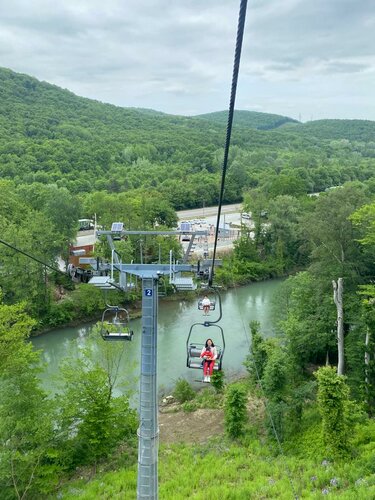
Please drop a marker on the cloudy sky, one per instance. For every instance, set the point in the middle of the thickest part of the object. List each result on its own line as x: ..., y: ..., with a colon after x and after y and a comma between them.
x: 306, y: 59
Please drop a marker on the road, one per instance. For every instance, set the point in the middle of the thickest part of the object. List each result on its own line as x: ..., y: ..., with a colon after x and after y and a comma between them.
x: 196, y: 213
x: 85, y: 238
x: 229, y: 214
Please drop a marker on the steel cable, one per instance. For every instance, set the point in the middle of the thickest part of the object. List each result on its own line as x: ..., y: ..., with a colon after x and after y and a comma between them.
x: 236, y: 67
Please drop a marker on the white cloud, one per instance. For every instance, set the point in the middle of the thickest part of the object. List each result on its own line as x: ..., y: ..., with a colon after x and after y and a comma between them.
x: 177, y: 56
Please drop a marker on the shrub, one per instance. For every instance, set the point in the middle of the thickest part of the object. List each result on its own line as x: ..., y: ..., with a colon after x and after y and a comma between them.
x: 189, y: 406
x: 217, y: 380
x: 235, y: 411
x: 183, y: 391
x: 333, y: 399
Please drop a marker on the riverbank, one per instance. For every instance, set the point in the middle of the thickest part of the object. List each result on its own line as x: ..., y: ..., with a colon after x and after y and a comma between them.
x: 134, y: 309
x: 176, y: 315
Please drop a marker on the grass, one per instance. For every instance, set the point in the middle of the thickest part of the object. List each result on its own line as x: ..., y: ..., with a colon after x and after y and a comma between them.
x: 221, y: 470
x: 251, y: 468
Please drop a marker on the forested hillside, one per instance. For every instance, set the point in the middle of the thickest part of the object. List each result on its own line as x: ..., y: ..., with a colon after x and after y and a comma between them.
x: 250, y: 119
x: 293, y: 427
x: 49, y: 135
x: 351, y: 130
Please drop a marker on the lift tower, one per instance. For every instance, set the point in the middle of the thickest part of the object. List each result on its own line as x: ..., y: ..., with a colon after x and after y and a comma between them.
x: 148, y: 431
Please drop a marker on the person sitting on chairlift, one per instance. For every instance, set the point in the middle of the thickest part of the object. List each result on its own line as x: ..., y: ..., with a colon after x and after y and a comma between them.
x: 208, y: 354
x: 206, y: 303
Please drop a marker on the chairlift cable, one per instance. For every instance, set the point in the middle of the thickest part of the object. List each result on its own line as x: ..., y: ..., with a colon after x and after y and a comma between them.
x: 32, y: 257
x: 236, y: 67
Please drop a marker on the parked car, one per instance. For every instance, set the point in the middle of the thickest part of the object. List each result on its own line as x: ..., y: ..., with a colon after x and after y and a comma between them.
x: 85, y: 224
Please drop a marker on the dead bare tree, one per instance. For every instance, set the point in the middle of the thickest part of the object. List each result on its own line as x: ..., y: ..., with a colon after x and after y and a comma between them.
x: 338, y: 298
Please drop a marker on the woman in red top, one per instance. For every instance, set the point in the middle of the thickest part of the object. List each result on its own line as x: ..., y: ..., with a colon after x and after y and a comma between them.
x: 208, y: 354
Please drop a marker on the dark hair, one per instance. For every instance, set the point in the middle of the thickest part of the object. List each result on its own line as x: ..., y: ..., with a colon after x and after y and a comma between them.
x: 212, y: 343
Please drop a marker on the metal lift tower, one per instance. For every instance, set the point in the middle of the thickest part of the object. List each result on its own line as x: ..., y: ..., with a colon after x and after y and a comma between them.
x: 148, y: 432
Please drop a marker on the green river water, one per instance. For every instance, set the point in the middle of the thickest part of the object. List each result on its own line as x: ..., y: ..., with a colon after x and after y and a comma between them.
x: 240, y: 306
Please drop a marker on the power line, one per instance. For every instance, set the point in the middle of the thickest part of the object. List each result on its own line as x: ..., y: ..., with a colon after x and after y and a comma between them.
x: 236, y: 67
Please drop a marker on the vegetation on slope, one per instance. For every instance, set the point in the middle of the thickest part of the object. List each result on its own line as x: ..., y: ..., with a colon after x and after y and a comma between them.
x: 249, y: 119
x: 351, y: 130
x: 49, y: 135
x: 63, y: 157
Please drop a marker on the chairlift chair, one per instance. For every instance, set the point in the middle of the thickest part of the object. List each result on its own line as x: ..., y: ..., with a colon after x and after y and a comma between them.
x: 214, y: 301
x: 194, y: 349
x: 212, y: 304
x: 115, y: 324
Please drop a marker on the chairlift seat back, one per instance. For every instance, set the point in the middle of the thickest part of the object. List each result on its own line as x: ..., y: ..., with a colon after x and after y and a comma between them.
x: 195, y: 361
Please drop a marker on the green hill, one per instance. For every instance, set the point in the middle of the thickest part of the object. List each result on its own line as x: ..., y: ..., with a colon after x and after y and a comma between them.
x: 249, y: 119
x: 30, y: 108
x: 49, y: 135
x: 352, y: 130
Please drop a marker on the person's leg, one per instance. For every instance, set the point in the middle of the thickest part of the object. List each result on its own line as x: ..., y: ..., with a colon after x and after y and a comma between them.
x: 211, y: 367
x: 205, y: 371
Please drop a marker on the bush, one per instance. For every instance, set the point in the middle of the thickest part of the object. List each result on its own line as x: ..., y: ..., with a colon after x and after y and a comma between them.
x: 333, y: 404
x: 183, y: 391
x: 189, y: 406
x: 235, y: 411
x: 217, y: 380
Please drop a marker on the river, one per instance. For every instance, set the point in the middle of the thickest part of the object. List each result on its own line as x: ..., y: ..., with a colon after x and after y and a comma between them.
x: 240, y: 306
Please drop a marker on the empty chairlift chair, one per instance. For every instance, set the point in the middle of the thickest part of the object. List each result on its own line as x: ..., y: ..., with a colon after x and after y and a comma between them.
x: 115, y: 324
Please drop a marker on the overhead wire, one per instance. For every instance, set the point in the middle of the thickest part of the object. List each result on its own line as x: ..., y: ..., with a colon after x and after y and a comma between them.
x: 13, y: 247
x: 236, y: 67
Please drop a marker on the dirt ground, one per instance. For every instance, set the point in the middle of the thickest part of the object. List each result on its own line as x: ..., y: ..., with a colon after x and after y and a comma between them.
x: 192, y: 427
x: 177, y: 426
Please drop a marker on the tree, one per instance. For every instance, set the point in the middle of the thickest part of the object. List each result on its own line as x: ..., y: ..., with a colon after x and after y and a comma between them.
x: 256, y: 202
x: 287, y: 183
x: 364, y: 218
x: 335, y: 250
x: 257, y: 358
x: 27, y: 468
x: 91, y: 419
x: 284, y: 215
x: 15, y: 327
x: 333, y: 397
x: 307, y: 321
x: 27, y: 464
